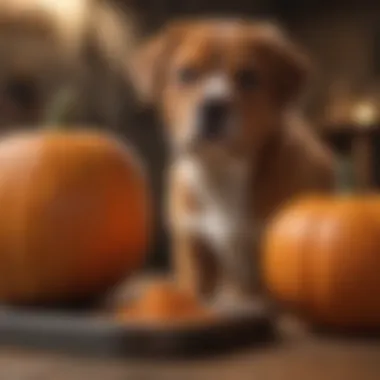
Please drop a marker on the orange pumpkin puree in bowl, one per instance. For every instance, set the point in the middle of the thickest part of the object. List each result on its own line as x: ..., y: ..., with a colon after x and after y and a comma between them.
x: 163, y: 303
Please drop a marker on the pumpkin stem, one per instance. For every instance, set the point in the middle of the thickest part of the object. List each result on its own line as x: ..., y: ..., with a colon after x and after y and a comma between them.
x: 345, y: 174
x: 60, y: 109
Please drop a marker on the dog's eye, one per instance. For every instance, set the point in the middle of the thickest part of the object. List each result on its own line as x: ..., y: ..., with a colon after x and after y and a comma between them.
x: 246, y: 79
x: 187, y: 75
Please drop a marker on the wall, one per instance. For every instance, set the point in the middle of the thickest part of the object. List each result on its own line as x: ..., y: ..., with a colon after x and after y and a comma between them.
x: 153, y: 13
x: 341, y: 43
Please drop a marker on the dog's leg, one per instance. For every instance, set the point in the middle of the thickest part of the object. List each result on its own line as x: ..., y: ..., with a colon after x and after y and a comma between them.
x: 194, y: 266
x: 236, y: 270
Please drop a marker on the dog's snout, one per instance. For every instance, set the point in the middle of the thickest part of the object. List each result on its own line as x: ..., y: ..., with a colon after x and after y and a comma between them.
x: 215, y: 111
x: 22, y: 91
x: 214, y: 115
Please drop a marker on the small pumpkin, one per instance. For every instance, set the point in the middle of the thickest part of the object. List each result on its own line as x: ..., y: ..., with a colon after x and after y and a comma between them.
x: 321, y: 257
x: 164, y: 303
x: 74, y: 214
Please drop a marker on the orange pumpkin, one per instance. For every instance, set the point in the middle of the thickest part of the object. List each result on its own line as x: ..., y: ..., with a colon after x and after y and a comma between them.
x: 321, y: 257
x: 74, y: 214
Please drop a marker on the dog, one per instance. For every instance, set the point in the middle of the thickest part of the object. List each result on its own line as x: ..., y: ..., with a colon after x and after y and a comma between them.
x: 228, y: 91
x: 53, y: 50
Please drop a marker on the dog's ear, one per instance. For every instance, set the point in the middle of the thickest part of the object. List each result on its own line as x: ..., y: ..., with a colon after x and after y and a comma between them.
x: 149, y: 63
x: 291, y: 66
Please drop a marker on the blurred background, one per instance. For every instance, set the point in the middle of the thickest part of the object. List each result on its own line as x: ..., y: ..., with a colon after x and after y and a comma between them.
x: 65, y: 60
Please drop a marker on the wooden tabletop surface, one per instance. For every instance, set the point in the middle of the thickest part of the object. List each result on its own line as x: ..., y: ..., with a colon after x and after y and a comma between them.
x: 299, y: 356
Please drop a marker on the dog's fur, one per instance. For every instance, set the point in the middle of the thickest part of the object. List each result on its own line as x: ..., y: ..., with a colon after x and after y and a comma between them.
x: 222, y: 193
x: 75, y: 46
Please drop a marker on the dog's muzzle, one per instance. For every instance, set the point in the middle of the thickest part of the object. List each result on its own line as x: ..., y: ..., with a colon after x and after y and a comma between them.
x: 214, y: 119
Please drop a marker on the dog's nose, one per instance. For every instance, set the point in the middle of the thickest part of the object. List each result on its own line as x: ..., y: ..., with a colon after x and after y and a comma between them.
x: 214, y: 114
x: 22, y: 91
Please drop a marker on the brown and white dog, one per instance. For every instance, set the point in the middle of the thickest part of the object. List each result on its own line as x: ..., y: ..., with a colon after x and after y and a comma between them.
x: 227, y: 91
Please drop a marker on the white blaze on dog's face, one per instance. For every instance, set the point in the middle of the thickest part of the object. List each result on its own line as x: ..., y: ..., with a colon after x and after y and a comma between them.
x: 220, y: 84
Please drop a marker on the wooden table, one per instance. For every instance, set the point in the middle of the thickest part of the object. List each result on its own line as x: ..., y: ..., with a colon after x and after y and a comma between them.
x: 300, y: 356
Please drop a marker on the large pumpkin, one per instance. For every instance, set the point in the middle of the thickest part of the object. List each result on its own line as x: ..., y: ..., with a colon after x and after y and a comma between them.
x: 74, y: 214
x: 321, y: 257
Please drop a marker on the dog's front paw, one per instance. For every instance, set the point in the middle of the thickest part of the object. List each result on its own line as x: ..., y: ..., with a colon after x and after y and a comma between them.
x: 230, y: 298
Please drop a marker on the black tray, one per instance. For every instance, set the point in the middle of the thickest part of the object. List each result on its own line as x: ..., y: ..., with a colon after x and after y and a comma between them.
x: 88, y: 332
x: 93, y: 335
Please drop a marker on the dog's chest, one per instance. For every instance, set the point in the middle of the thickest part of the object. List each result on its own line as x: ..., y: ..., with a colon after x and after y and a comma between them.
x: 222, y: 195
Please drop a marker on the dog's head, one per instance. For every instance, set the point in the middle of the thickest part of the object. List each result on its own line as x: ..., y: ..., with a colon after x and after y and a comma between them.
x: 220, y: 84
